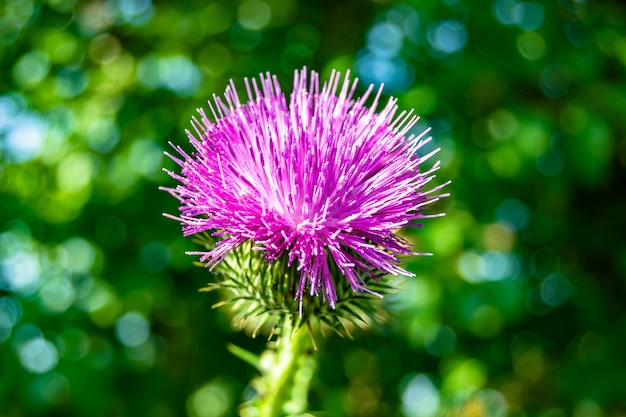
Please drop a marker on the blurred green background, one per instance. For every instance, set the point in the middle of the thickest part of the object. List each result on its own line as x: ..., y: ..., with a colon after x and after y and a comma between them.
x: 519, y: 313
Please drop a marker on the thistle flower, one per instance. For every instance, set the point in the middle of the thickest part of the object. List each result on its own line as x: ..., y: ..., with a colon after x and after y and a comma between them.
x: 321, y: 183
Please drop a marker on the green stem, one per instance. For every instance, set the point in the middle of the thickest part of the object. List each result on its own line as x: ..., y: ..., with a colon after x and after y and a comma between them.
x: 289, y: 376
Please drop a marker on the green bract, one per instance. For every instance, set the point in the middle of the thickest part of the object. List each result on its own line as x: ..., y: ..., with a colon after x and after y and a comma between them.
x: 262, y: 295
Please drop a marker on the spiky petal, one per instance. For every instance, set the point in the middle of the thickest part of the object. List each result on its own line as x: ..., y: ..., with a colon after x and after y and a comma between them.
x: 324, y: 179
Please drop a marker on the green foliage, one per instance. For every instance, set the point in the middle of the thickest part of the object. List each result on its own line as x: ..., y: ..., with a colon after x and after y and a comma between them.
x: 520, y: 312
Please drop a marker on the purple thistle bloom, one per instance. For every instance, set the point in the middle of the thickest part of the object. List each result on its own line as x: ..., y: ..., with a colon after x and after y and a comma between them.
x: 322, y: 179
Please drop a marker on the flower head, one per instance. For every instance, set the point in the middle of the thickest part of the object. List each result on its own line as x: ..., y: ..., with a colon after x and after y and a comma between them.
x: 321, y: 182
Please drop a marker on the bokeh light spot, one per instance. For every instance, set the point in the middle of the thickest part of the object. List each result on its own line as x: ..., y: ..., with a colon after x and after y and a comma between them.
x: 528, y: 15
x: 384, y: 39
x: 155, y: 256
x: 132, y: 329
x: 355, y: 363
x: 448, y: 36
x: 119, y: 70
x: 513, y: 213
x: 144, y: 353
x: 498, y: 237
x: 38, y: 355
x: 18, y: 13
x: 555, y: 289
x: 102, y: 135
x: 20, y: 272
x: 394, y: 73
x: 100, y: 353
x: 148, y: 72
x: 145, y: 157
x: 254, y: 14
x: 244, y: 39
x: 75, y: 172
x: 464, y: 375
x: 75, y: 344
x: 102, y: 304
x: 176, y: 73
x: 415, y: 293
x: 535, y: 302
x: 179, y: 74
x: 440, y: 340
x: 502, y: 124
x: 487, y: 321
x: 544, y: 260
x: 6, y: 326
x: 468, y: 265
x: 57, y: 295
x: 215, y: 59
x: 504, y: 161
x: 525, y: 15
x: 94, y: 17
x: 576, y: 7
x: 213, y: 399
x: 574, y: 119
x: 550, y: 163
x: 119, y: 173
x: 496, y: 266
x: 579, y: 33
x: 531, y: 45
x: 489, y: 403
x: 25, y: 138
x: 104, y: 48
x: 52, y: 388
x: 70, y: 82
x: 423, y: 99
x: 420, y: 397
x: 592, y: 347
x: 528, y: 357
x: 136, y: 12
x: 216, y: 17
x: 11, y: 105
x: 555, y: 82
x: 587, y: 408
x: 533, y: 138
x: 10, y: 314
x: 60, y: 46
x: 24, y: 333
x: 31, y: 68
x: 304, y: 35
x: 81, y: 254
x: 504, y: 11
